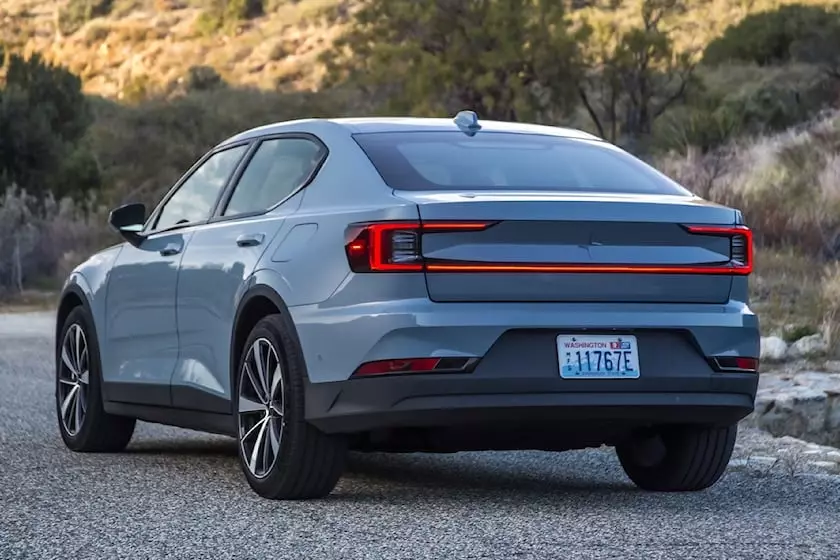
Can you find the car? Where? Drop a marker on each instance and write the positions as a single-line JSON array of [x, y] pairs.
[[324, 286]]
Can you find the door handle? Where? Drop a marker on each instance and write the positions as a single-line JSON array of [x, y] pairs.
[[251, 240], [170, 249]]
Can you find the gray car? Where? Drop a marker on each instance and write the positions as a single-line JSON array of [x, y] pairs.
[[417, 285]]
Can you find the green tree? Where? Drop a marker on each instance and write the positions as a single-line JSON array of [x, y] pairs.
[[769, 37], [822, 46], [634, 73], [504, 59], [43, 118]]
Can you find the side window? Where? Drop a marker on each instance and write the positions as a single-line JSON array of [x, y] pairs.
[[279, 167], [194, 199]]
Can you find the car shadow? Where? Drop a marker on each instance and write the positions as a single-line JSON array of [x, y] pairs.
[[486, 473]]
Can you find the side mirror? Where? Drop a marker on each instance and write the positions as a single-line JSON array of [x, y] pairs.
[[128, 220]]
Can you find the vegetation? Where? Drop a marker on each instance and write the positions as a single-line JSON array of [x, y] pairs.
[[732, 98]]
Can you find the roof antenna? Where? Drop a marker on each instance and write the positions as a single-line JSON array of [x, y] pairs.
[[467, 121]]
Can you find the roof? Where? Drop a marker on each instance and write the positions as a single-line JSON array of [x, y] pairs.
[[397, 124], [403, 124]]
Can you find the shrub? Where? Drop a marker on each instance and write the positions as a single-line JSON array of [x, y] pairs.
[[43, 117], [78, 12], [200, 78], [768, 37], [786, 184], [226, 14], [39, 235]]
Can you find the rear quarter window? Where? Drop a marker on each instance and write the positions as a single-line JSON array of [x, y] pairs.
[[508, 161]]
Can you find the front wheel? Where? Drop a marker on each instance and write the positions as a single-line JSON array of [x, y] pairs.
[[678, 458], [282, 455], [82, 421]]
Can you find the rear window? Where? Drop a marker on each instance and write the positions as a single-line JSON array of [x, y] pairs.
[[421, 161]]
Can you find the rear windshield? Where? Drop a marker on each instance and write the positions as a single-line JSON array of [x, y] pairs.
[[420, 161]]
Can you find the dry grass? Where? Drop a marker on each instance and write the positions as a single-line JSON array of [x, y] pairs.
[[788, 186]]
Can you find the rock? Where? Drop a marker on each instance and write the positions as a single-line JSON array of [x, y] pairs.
[[773, 349], [799, 412], [808, 347]]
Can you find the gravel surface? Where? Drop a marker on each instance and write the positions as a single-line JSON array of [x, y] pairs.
[[180, 494]]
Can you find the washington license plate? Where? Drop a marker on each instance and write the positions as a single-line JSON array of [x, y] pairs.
[[598, 357]]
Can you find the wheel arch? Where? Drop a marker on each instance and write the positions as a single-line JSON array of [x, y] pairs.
[[258, 302], [72, 297]]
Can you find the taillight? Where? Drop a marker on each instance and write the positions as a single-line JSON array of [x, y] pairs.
[[395, 246], [416, 365], [735, 364], [740, 245]]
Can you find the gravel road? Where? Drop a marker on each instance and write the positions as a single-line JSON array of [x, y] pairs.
[[180, 494]]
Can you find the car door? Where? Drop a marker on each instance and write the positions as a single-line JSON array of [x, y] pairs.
[[141, 330], [223, 254]]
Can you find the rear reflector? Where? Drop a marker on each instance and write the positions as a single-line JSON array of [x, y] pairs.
[[415, 365], [396, 247], [735, 364]]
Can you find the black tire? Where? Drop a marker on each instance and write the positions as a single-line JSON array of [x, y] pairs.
[[98, 431], [309, 462], [692, 458]]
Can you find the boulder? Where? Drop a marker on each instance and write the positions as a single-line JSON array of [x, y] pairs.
[[808, 347], [773, 349], [805, 405]]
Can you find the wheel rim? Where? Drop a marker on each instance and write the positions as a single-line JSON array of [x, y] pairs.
[[73, 379], [261, 407]]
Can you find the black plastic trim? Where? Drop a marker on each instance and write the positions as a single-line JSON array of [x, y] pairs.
[[223, 424], [359, 405]]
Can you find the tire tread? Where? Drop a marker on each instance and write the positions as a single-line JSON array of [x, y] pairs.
[[696, 458]]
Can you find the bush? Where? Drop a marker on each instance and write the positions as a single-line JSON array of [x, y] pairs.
[[227, 14], [78, 12], [768, 37], [39, 236], [43, 117], [786, 184], [200, 78]]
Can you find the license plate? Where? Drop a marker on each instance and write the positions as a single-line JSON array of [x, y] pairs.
[[598, 357]]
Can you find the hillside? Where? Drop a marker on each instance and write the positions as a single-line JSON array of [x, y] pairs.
[[146, 46], [142, 47]]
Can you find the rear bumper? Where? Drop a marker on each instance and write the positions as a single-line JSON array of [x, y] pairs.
[[449, 400]]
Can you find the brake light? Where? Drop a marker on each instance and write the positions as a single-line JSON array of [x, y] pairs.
[[395, 246], [416, 365], [740, 245], [735, 364]]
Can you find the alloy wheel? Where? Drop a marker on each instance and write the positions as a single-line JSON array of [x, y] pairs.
[[261, 407], [74, 379]]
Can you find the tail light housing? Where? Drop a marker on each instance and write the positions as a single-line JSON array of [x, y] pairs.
[[404, 366], [735, 364], [740, 245], [396, 247]]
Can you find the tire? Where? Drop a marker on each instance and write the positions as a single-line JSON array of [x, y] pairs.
[[297, 461], [691, 458], [92, 429]]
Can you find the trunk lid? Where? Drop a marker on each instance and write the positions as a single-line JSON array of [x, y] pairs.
[[536, 237]]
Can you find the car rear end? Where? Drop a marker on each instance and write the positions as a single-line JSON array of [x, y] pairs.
[[549, 293]]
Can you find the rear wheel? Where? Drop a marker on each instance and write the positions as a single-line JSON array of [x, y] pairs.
[[678, 458], [282, 455], [82, 421]]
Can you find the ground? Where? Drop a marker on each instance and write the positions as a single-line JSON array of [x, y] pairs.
[[180, 494]]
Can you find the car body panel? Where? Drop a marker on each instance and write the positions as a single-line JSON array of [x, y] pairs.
[[140, 339], [213, 270]]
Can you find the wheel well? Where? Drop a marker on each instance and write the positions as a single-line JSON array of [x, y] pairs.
[[68, 303], [255, 309]]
